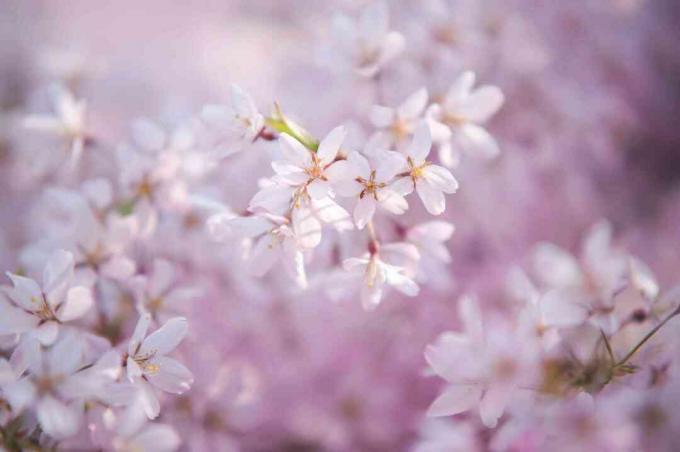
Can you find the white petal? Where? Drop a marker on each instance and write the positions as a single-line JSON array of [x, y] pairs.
[[348, 188], [66, 355], [273, 199], [332, 213], [307, 228], [248, 227], [20, 394], [329, 146], [294, 264], [78, 302], [392, 201], [563, 308], [318, 189], [493, 404], [459, 90], [402, 283], [643, 279], [26, 293], [414, 105], [421, 144], [360, 165], [556, 267], [371, 296], [433, 198], [139, 332], [445, 354], [403, 186], [454, 400], [294, 151], [57, 276], [476, 141], [47, 333], [14, 320], [263, 256], [171, 376], [155, 438], [440, 178], [482, 103], [388, 164], [148, 399], [118, 268], [364, 210], [162, 277], [58, 419], [26, 354], [339, 171], [166, 338]]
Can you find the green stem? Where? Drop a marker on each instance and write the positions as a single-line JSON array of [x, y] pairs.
[[647, 337]]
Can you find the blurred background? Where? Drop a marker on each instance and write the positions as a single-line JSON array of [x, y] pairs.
[[589, 130]]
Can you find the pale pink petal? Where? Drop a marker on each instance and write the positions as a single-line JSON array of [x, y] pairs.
[[360, 165], [139, 333], [26, 293], [47, 333], [171, 375], [476, 141], [155, 438], [319, 189], [392, 201], [149, 400], [58, 419], [263, 256], [414, 105], [556, 267], [14, 320], [329, 146], [404, 185], [420, 145], [348, 188], [459, 90], [440, 178], [364, 210], [563, 308], [455, 399], [482, 103], [493, 404], [78, 302], [307, 228], [118, 268], [294, 151], [432, 198], [388, 165], [339, 171], [166, 338]]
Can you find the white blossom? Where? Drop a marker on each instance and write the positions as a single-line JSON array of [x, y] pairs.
[[366, 45], [147, 363], [457, 122], [428, 180]]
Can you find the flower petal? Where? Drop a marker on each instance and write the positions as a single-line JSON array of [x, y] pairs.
[[364, 210], [171, 376], [166, 338], [78, 302], [455, 399], [329, 146]]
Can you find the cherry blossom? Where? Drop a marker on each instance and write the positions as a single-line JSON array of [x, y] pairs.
[[366, 45], [231, 127], [68, 121], [375, 275], [147, 363], [397, 124], [463, 111], [39, 310], [428, 180], [370, 183]]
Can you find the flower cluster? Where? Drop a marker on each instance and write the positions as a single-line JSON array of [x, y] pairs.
[[268, 259]]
